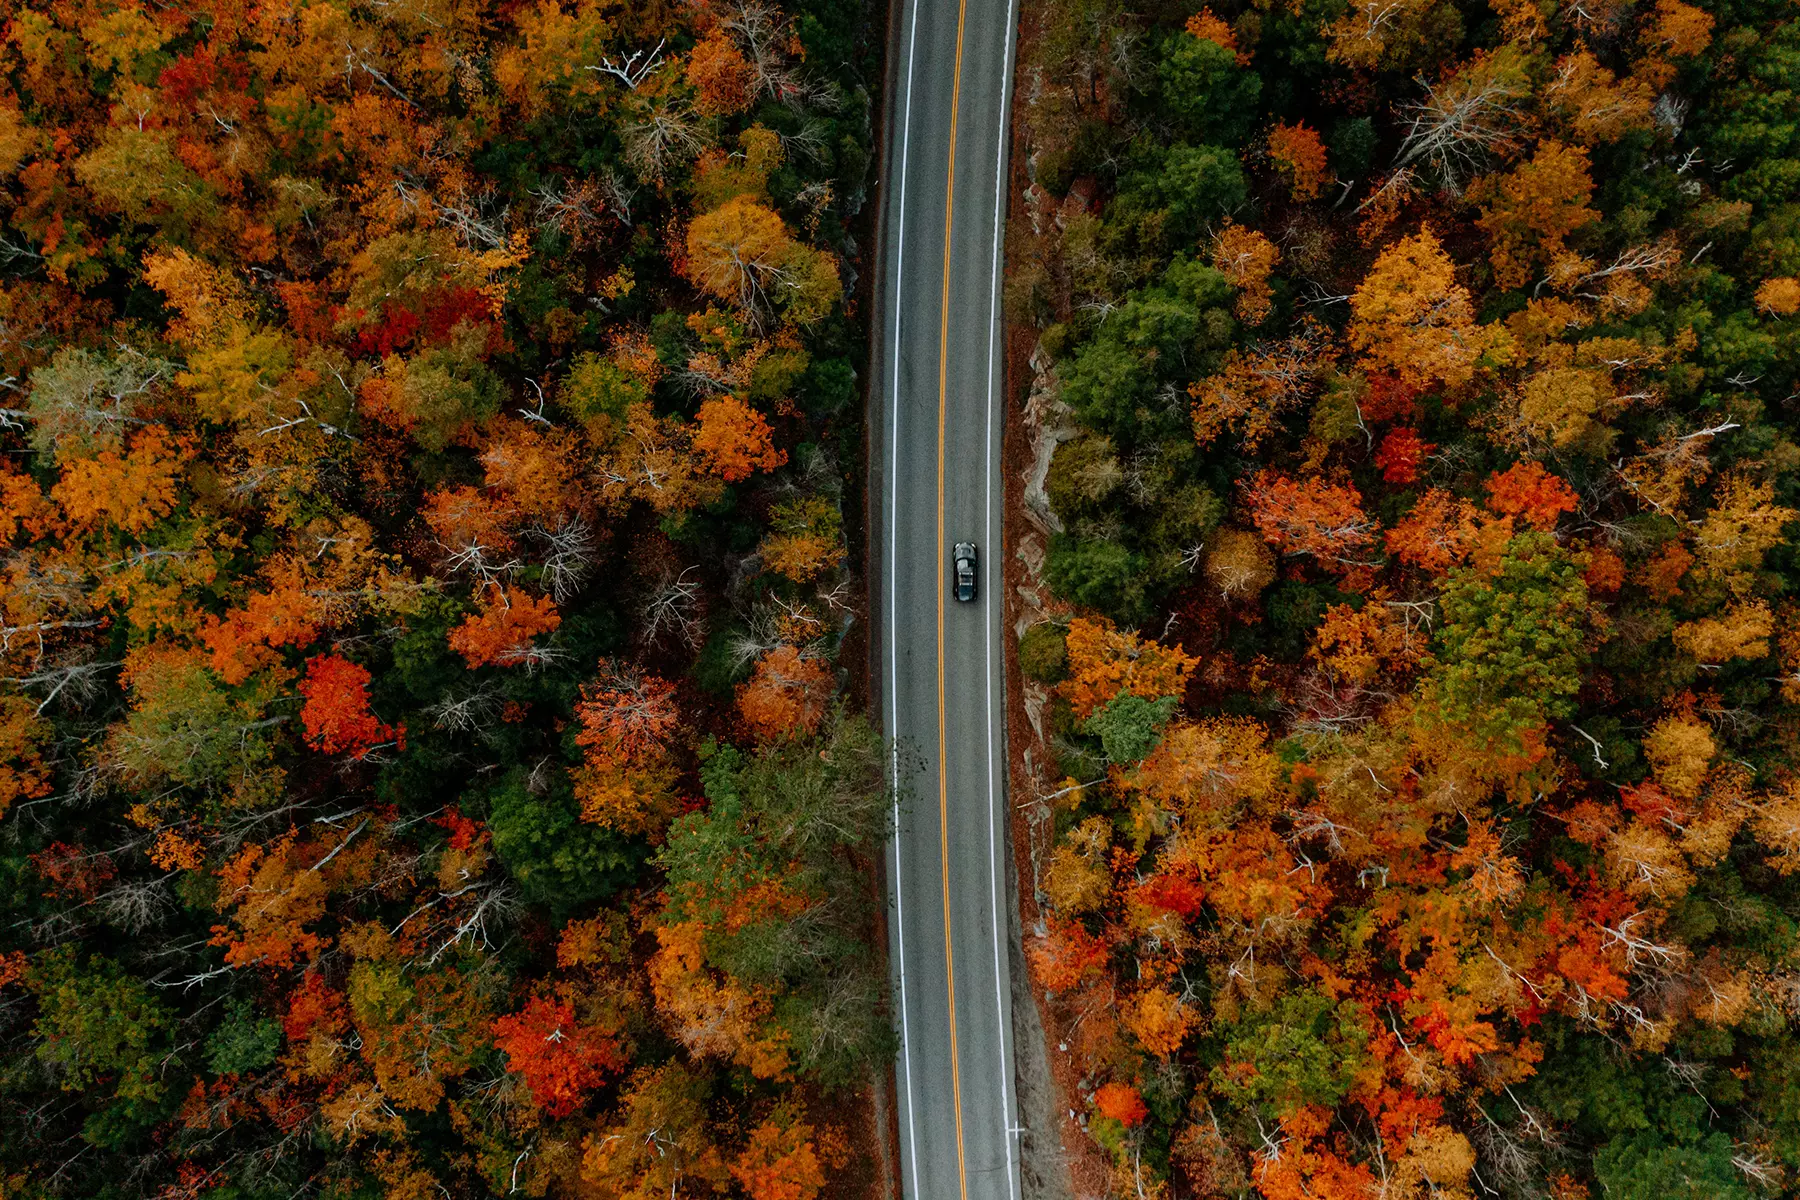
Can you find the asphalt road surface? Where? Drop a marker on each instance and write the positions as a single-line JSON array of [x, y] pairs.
[[936, 458]]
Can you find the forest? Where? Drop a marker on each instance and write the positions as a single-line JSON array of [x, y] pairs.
[[428, 608], [1423, 675]]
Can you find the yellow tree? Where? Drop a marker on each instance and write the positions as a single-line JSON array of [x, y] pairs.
[[1742, 526], [1201, 769], [1410, 317], [1105, 661], [1245, 257], [713, 1017], [1741, 631], [1566, 406], [1680, 749], [742, 253], [1593, 103], [1529, 211], [1779, 297], [657, 1143]]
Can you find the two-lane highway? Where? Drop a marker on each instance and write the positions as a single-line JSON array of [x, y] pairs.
[[936, 441]]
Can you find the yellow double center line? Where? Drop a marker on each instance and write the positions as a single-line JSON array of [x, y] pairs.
[[962, 1174]]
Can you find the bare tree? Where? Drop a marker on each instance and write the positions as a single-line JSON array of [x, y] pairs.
[[634, 68], [473, 220], [532, 657], [660, 133], [616, 193], [569, 548], [77, 683], [763, 33], [761, 635], [674, 608], [1641, 953], [135, 905], [1460, 124], [570, 211]]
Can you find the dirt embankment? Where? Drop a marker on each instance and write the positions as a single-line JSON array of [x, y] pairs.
[[1059, 1161]]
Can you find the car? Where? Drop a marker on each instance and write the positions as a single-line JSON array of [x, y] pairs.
[[966, 565]]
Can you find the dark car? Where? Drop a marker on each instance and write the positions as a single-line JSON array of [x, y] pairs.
[[965, 570]]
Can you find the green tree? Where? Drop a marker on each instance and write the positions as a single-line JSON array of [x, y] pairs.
[[1129, 726], [1301, 1050], [1205, 92], [242, 1041], [1196, 184], [1044, 652], [796, 820], [557, 860], [1644, 1167], [447, 389], [1509, 652], [1097, 574], [99, 1027], [83, 402]]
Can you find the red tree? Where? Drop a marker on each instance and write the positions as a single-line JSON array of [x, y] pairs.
[[627, 713], [1400, 454], [1527, 490], [336, 715], [1121, 1102], [560, 1060]]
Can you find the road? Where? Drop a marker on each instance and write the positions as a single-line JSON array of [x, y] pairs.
[[936, 435]]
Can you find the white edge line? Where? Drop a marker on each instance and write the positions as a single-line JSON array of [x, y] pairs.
[[994, 840], [912, 1139]]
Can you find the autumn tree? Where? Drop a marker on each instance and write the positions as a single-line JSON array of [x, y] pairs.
[[1435, 534], [128, 492], [1299, 157], [1311, 517], [1400, 455], [502, 634], [1253, 391], [1245, 257], [272, 893], [805, 538], [1239, 564], [1567, 407], [1529, 212], [336, 712], [780, 1161], [786, 696], [626, 712], [627, 721], [561, 1060], [736, 440], [658, 1143], [1411, 317], [1105, 662], [1779, 297], [1528, 491], [743, 254]]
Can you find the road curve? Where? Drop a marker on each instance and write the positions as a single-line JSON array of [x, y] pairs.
[[935, 454]]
